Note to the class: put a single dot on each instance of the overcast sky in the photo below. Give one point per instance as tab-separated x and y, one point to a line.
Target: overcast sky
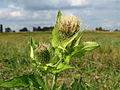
28	13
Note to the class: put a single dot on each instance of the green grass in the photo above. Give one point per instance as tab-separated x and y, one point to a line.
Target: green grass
99	70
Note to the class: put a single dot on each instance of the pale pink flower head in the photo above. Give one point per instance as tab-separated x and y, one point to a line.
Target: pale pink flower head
69	24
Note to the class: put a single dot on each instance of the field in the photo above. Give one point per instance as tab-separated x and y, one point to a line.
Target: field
99	70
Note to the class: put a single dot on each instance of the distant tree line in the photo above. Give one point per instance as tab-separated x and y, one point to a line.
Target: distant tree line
8	29
23	30
101	29
116	30
42	29
37	29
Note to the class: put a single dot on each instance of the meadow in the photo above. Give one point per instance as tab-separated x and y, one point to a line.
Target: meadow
98	70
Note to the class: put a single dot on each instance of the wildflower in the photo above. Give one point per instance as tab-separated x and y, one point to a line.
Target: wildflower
69	24
42	54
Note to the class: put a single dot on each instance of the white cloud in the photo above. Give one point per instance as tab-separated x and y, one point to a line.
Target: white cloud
12	6
16	14
78	2
3	13
11	12
44	14
19	13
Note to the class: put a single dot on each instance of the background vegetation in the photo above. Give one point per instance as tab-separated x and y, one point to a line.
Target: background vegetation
99	70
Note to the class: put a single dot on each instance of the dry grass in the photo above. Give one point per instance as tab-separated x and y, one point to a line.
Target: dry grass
99	69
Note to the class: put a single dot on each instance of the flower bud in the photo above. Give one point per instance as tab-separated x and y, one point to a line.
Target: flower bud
42	54
69	24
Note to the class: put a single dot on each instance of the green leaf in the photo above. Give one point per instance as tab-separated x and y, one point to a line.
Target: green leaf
85	47
78	50
65	43
58	17
31	80
55	37
79	38
33	43
31	52
55	32
67	59
62	67
56	56
79	54
40	81
89	46
21	81
32	46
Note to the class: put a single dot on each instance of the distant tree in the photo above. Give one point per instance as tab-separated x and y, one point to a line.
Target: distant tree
39	28
42	29
34	29
116	30
47	28
99	29
1	28
13	30
8	29
23	29
51	28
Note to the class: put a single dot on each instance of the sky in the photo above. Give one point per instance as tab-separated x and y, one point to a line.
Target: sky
17	14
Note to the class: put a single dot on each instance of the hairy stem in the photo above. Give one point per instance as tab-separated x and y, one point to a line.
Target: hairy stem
54	82
46	81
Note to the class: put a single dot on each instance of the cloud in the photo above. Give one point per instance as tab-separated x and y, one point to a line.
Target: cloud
78	2
49	4
16	14
29	13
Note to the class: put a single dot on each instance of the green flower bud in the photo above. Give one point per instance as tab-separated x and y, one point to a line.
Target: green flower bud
69	24
42	54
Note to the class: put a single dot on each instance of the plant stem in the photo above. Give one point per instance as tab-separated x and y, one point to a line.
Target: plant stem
46	81
54	82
